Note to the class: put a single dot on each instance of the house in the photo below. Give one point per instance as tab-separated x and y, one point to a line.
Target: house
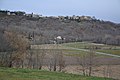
69	17
28	15
61	17
8	13
59	37
35	16
12	13
85	18
40	16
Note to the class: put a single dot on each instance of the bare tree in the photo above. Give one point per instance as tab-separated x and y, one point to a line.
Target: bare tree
41	58
83	63
30	59
91	56
61	60
50	64
86	61
57	61
19	46
107	71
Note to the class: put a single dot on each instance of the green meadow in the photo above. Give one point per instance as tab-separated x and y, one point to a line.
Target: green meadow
33	74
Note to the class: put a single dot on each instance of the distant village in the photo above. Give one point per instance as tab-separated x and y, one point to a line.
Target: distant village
37	16
32	16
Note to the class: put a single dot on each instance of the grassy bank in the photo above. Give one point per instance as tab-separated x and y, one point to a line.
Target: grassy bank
27	74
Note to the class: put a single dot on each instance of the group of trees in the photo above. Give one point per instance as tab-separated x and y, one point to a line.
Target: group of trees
56	60
87	61
19	54
49	28
16	48
6	12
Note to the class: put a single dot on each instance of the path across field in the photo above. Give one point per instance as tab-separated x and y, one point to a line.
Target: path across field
96	52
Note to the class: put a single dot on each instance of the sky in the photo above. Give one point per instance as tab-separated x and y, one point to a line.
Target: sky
108	10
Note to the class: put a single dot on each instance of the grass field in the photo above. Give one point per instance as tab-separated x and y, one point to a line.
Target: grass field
66	47
81	45
84	45
115	52
76	45
102	48
27	74
71	52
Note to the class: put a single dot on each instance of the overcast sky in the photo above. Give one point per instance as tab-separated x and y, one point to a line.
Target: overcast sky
101	9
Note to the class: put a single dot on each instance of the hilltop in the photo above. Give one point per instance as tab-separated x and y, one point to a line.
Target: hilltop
43	29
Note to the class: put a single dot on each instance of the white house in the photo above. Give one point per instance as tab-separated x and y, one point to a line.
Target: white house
28	15
59	37
8	13
35	15
12	13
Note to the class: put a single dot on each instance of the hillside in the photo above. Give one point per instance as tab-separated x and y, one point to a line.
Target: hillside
28	41
46	29
27	74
